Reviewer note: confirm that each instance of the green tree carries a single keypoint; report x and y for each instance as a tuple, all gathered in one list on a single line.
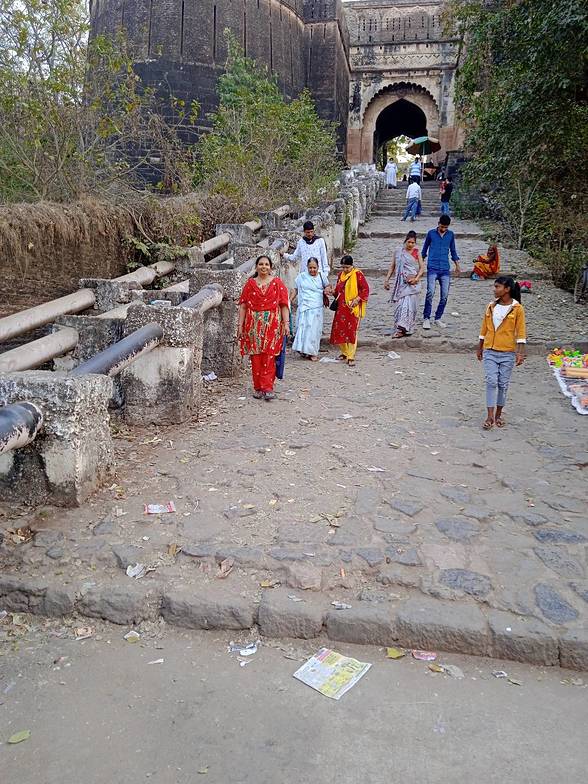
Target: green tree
[(74, 117), (262, 150), (521, 96)]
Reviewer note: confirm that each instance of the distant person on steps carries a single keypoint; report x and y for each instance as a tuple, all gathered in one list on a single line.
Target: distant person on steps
[(391, 172), (413, 196), (438, 245)]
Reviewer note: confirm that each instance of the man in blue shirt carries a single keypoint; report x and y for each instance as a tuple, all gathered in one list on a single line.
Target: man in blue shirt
[(439, 243)]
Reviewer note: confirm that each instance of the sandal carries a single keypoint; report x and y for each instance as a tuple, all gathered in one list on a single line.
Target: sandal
[(488, 425), (399, 334), (350, 363), (499, 422), (314, 359), (341, 356)]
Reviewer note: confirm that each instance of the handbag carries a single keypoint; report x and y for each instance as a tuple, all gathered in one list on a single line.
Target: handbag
[(281, 361), (325, 297), (334, 304)]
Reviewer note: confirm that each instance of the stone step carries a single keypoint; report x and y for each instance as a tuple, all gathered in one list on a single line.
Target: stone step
[(363, 234)]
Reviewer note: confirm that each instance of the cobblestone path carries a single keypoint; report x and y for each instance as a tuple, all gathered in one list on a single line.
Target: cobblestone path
[(373, 486)]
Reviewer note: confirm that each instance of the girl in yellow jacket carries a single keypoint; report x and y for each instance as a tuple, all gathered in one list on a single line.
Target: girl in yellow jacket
[(502, 345)]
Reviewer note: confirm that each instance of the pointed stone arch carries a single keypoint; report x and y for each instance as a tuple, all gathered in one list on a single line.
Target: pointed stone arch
[(395, 106)]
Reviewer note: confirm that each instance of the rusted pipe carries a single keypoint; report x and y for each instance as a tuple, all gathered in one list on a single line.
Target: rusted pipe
[(19, 425), (37, 352), (115, 358)]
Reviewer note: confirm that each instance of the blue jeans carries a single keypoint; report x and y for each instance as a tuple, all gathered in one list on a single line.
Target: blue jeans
[(411, 209), (445, 208), (498, 367), (444, 279)]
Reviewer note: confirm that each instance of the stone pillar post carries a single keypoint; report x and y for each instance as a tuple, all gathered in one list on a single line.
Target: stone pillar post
[(164, 385), (220, 351), (73, 453), (110, 294)]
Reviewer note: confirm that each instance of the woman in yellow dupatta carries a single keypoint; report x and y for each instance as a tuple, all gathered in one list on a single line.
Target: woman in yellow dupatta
[(487, 264), (351, 294)]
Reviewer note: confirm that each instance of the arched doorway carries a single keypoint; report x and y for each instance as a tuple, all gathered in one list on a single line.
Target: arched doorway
[(401, 118), (396, 109)]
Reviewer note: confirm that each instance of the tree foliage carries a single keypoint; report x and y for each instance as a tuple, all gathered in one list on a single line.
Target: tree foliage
[(521, 95), (74, 116), (262, 150)]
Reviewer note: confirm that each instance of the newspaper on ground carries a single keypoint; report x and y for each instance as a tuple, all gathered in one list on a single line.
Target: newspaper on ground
[(331, 673)]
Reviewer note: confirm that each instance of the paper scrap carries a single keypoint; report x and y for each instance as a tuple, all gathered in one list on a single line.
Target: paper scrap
[(395, 653), (331, 673), (160, 508)]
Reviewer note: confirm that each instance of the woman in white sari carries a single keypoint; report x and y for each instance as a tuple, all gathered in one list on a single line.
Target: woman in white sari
[(391, 172), (407, 268), (309, 322)]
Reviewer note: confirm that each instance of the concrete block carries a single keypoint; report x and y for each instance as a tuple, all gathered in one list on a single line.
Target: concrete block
[(211, 610), (73, 454), (240, 234), (232, 281), (279, 616), (573, 648), (119, 604), (362, 624), (446, 626), (521, 639), (110, 293)]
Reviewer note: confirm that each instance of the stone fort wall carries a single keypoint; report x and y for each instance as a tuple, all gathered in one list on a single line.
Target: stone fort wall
[(179, 47)]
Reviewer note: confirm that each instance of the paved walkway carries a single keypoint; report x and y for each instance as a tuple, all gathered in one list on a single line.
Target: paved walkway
[(371, 486), (98, 712)]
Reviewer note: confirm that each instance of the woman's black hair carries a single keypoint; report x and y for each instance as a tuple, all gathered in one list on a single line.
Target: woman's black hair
[(312, 258), (347, 260), (258, 259), (512, 285), (307, 225), (411, 235)]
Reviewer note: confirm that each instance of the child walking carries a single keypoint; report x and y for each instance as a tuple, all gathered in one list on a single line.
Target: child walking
[(502, 345)]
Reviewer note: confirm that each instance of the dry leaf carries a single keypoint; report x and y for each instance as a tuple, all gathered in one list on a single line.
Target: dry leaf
[(225, 568)]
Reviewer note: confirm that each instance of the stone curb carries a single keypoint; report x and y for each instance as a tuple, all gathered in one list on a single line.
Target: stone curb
[(416, 622)]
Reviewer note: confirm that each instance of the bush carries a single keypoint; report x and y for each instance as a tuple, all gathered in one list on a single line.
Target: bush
[(263, 151)]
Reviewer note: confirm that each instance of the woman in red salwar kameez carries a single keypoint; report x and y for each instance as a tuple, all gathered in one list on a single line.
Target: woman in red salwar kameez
[(351, 293), (264, 320)]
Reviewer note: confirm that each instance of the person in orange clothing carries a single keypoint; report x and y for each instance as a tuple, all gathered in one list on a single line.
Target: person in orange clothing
[(351, 296), (264, 321), (503, 337), (487, 264)]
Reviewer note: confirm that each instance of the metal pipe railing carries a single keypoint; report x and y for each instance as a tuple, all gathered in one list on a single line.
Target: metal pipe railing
[(37, 352), (32, 318), (209, 296), (19, 425), (115, 358)]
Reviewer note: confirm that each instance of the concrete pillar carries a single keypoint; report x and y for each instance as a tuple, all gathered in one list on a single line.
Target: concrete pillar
[(164, 385), (220, 351), (73, 453), (241, 234), (110, 294)]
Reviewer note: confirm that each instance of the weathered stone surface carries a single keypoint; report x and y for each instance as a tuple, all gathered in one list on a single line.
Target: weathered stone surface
[(581, 589), (565, 503), (127, 555), (307, 533), (480, 513), (406, 506), (458, 528), (279, 616), (249, 557), (573, 648), (472, 583), (372, 555), (522, 639), (103, 527), (367, 501), (553, 606), (118, 604), (456, 494), (58, 601), (559, 535), (447, 626), (283, 554), (200, 550), (47, 538), (395, 527), (303, 576), (559, 560), (405, 556), (369, 625), (55, 553), (210, 610), (400, 575), (531, 518), (22, 595)]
